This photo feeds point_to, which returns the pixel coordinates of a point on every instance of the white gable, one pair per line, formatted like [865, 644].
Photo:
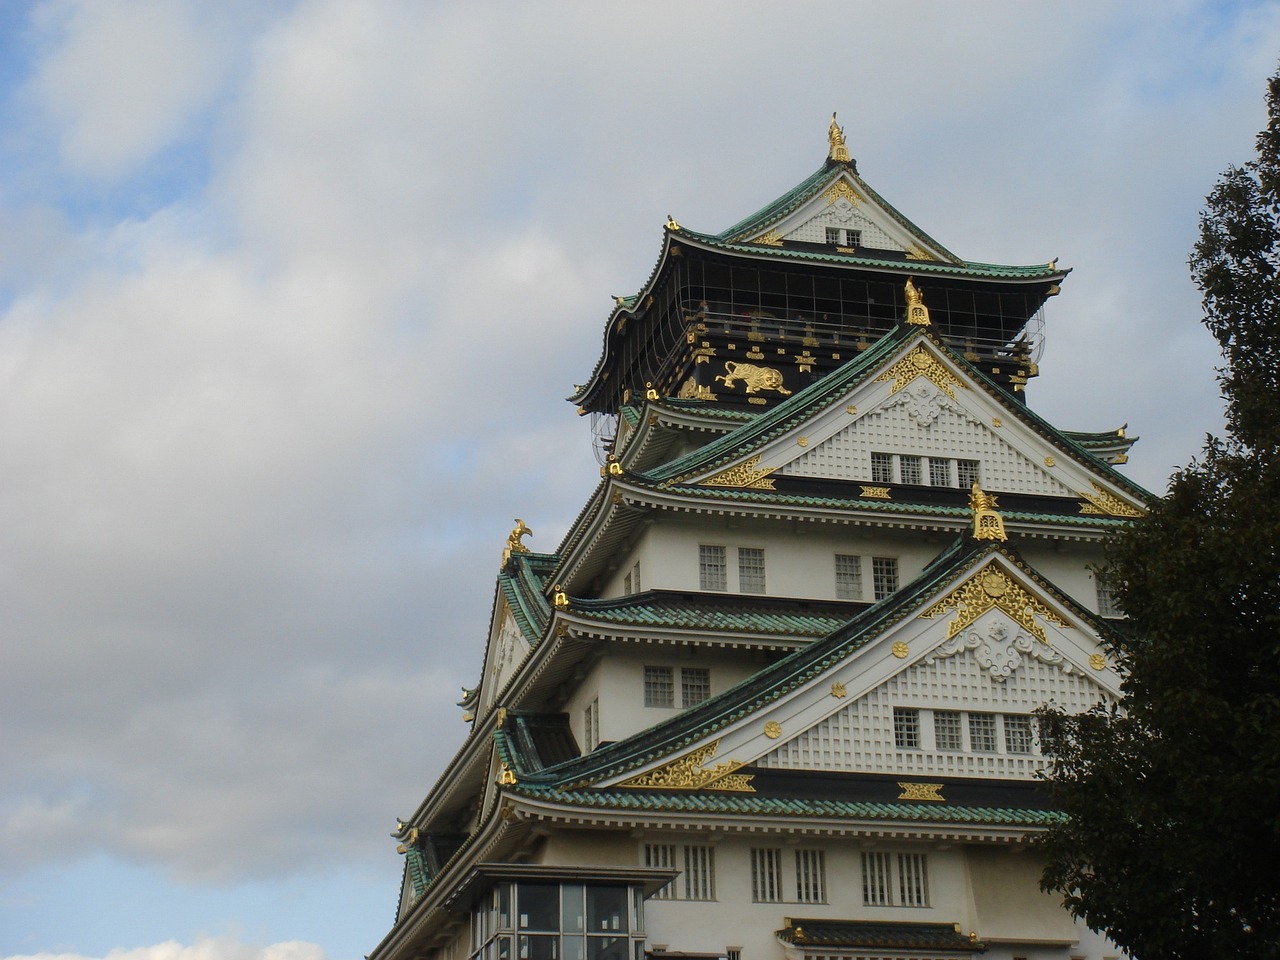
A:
[993, 644]
[507, 649]
[923, 404]
[843, 215]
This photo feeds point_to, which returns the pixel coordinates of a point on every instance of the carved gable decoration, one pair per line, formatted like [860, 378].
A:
[507, 649]
[993, 588]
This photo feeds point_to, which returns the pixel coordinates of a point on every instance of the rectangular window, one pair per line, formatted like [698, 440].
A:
[982, 732]
[766, 875]
[939, 472]
[848, 577]
[853, 238]
[626, 585]
[811, 876]
[699, 873]
[591, 725]
[884, 576]
[695, 685]
[751, 570]
[910, 468]
[1017, 733]
[712, 568]
[1108, 606]
[913, 884]
[875, 880]
[906, 728]
[635, 577]
[946, 730]
[966, 473]
[659, 687]
[833, 234]
[881, 468]
[662, 856]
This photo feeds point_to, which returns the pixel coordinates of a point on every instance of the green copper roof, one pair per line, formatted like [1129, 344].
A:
[711, 801]
[728, 613]
[523, 584]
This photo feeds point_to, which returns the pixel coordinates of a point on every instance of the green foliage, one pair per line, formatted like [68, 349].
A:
[1173, 841]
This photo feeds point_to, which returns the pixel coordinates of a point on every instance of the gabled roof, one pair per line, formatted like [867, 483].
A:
[775, 681]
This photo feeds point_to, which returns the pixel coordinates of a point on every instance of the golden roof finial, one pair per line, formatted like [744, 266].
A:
[987, 524]
[917, 312]
[513, 541]
[835, 138]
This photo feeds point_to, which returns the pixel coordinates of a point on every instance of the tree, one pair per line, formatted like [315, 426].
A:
[1172, 842]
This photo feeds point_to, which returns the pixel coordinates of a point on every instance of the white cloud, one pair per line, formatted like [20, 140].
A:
[205, 949]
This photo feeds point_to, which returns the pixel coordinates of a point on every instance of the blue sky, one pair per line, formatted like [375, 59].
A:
[291, 294]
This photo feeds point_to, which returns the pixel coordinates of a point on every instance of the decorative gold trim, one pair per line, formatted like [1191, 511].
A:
[875, 493]
[837, 149]
[506, 776]
[917, 252]
[773, 729]
[1101, 502]
[802, 441]
[1050, 462]
[755, 377]
[997, 422]
[1097, 661]
[991, 588]
[514, 544]
[921, 363]
[851, 410]
[838, 690]
[690, 773]
[671, 223]
[841, 189]
[559, 597]
[987, 524]
[917, 312]
[900, 650]
[771, 239]
[922, 791]
[744, 474]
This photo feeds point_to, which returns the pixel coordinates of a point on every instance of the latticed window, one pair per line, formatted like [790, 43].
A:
[906, 728]
[833, 234]
[881, 468]
[591, 725]
[662, 856]
[1017, 733]
[659, 687]
[766, 875]
[848, 577]
[946, 730]
[884, 576]
[699, 873]
[751, 570]
[811, 876]
[982, 732]
[939, 472]
[1108, 606]
[695, 685]
[966, 473]
[876, 885]
[712, 568]
[913, 882]
[911, 469]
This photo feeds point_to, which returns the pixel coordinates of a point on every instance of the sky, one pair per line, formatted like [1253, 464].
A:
[292, 293]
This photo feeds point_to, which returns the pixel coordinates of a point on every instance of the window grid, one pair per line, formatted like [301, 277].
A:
[750, 570]
[833, 234]
[939, 472]
[875, 879]
[662, 856]
[695, 685]
[766, 875]
[811, 876]
[1017, 733]
[913, 885]
[712, 568]
[909, 467]
[1108, 606]
[982, 732]
[884, 576]
[699, 873]
[659, 687]
[966, 473]
[848, 577]
[906, 728]
[591, 725]
[947, 734]
[881, 468]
